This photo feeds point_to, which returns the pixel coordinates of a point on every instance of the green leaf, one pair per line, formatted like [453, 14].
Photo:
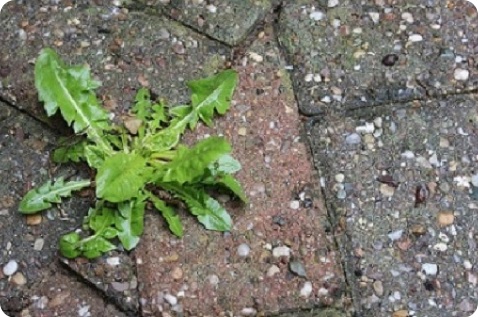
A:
[233, 185]
[130, 222]
[174, 223]
[70, 153]
[213, 93]
[121, 177]
[93, 156]
[93, 248]
[189, 164]
[225, 164]
[71, 89]
[208, 211]
[142, 107]
[69, 245]
[42, 197]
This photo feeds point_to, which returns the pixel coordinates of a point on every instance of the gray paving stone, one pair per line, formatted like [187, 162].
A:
[337, 52]
[404, 204]
[227, 21]
[125, 50]
[24, 152]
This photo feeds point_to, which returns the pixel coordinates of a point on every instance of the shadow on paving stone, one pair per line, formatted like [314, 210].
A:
[346, 54]
[402, 182]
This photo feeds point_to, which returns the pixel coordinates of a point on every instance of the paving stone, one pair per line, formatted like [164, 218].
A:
[24, 152]
[126, 50]
[228, 21]
[216, 280]
[420, 270]
[61, 294]
[378, 53]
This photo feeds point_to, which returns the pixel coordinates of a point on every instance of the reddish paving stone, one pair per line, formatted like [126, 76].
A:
[202, 274]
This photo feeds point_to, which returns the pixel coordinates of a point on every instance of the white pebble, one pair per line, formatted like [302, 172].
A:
[461, 74]
[38, 245]
[256, 57]
[243, 250]
[467, 264]
[295, 204]
[277, 252]
[408, 17]
[408, 154]
[339, 178]
[172, 300]
[317, 15]
[440, 247]
[113, 261]
[10, 268]
[430, 268]
[474, 180]
[368, 128]
[248, 311]
[211, 8]
[306, 290]
[415, 38]
[378, 122]
[308, 77]
[395, 235]
[273, 270]
[213, 279]
[333, 3]
[375, 16]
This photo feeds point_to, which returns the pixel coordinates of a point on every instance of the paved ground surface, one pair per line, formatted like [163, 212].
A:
[356, 127]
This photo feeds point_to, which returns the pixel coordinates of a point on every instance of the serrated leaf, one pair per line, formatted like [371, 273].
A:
[213, 94]
[208, 211]
[130, 223]
[191, 163]
[71, 89]
[142, 106]
[41, 198]
[174, 223]
[121, 177]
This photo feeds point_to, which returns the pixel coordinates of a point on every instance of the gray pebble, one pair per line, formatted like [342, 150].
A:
[352, 138]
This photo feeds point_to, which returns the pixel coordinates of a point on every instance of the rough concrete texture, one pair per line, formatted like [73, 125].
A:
[227, 21]
[359, 55]
[385, 226]
[205, 271]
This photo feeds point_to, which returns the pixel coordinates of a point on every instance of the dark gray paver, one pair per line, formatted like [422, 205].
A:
[337, 52]
[31, 243]
[404, 196]
[125, 50]
[227, 21]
